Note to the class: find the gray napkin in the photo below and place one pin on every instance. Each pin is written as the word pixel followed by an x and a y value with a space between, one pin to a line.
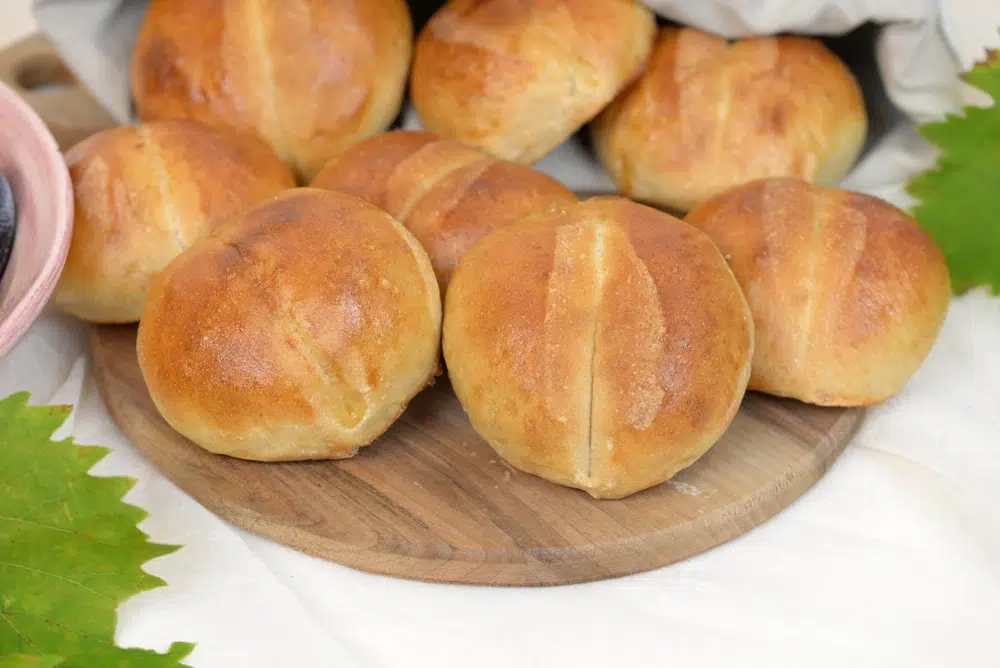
pixel 95 38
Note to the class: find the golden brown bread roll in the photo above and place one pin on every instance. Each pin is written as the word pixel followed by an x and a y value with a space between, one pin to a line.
pixel 708 114
pixel 847 292
pixel 299 330
pixel 447 194
pixel 516 78
pixel 144 194
pixel 603 347
pixel 309 77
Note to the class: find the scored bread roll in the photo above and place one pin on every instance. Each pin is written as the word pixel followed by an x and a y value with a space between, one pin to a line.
pixel 848 293
pixel 447 194
pixel 604 347
pixel 518 78
pixel 299 330
pixel 708 114
pixel 142 195
pixel 310 78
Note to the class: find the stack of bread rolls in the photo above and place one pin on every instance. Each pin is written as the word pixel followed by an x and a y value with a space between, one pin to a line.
pixel 676 115
pixel 298 274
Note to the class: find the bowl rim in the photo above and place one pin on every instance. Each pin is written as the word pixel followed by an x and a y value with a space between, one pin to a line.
pixel 29 306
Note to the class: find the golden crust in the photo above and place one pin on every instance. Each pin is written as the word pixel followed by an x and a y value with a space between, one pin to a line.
pixel 144 194
pixel 847 292
pixel 604 347
pixel 707 115
pixel 299 330
pixel 518 78
pixel 448 195
pixel 310 77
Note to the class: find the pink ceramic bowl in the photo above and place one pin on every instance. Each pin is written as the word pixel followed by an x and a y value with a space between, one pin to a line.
pixel 43 197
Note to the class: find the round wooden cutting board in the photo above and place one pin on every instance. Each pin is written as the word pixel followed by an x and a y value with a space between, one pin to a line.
pixel 431 501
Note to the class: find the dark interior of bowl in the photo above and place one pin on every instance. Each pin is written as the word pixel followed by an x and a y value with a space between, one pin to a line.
pixel 39 184
pixel 8 223
pixel 15 282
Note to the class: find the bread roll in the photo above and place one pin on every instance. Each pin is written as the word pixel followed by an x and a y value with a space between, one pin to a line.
pixel 299 330
pixel 847 292
pixel 516 78
pixel 309 77
pixel 604 347
pixel 144 194
pixel 448 195
pixel 708 114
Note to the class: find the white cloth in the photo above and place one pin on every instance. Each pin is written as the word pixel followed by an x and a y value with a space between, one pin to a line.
pixel 891 560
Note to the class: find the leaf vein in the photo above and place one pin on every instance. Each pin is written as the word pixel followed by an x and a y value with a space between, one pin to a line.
pixel 58 577
pixel 18 632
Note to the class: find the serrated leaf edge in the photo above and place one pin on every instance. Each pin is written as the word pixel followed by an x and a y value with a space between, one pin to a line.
pixel 60 413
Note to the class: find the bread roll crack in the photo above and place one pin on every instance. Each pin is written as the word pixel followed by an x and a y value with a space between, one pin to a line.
pixel 353 399
pixel 152 151
pixel 651 376
pixel 477 168
pixel 722 111
pixel 601 272
pixel 431 155
pixel 809 309
pixel 258 40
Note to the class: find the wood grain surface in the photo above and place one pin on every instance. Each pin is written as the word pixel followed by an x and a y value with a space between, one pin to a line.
pixel 431 500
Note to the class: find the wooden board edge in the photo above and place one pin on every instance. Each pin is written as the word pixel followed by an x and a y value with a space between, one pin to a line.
pixel 586 565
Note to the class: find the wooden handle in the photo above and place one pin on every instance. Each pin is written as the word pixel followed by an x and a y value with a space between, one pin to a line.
pixel 34 70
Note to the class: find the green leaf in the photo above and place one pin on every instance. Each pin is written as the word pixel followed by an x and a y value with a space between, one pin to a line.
pixel 959 198
pixel 70 550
